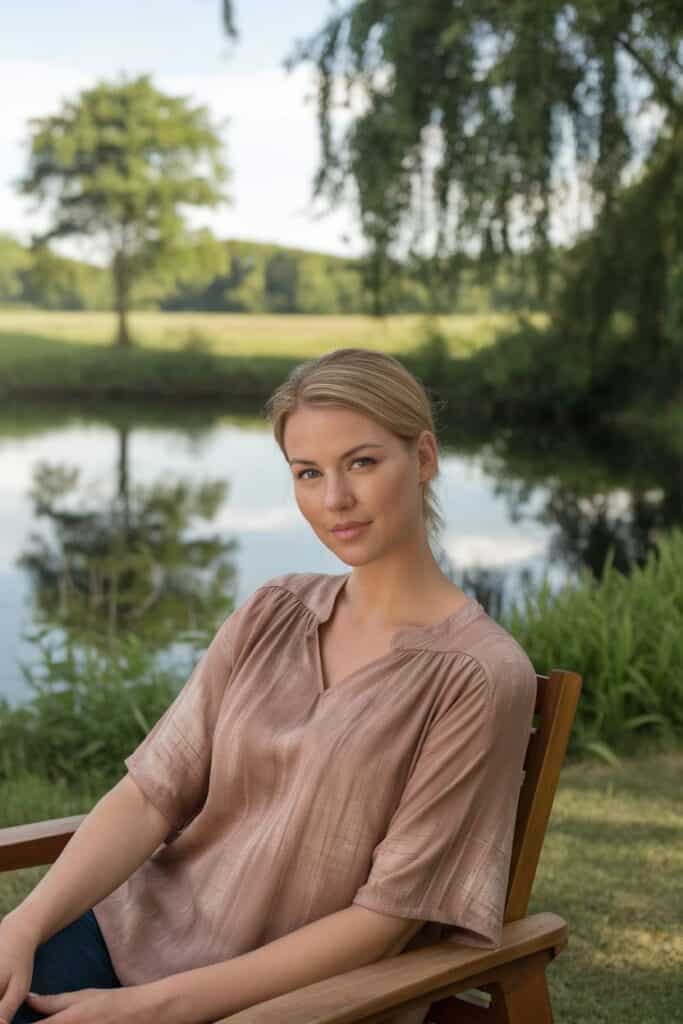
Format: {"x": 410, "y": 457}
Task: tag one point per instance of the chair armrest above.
{"x": 27, "y": 846}
{"x": 391, "y": 983}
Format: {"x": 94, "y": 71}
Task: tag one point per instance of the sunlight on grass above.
{"x": 612, "y": 859}
{"x": 246, "y": 334}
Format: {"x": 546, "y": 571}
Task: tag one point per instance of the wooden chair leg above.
{"x": 522, "y": 996}
{"x": 519, "y": 996}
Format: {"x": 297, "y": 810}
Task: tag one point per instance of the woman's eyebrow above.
{"x": 311, "y": 462}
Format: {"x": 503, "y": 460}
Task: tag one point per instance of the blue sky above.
{"x": 50, "y": 51}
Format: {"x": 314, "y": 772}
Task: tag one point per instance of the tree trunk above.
{"x": 123, "y": 489}
{"x": 121, "y": 274}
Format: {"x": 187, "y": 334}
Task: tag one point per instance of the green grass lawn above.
{"x": 251, "y": 334}
{"x": 612, "y": 866}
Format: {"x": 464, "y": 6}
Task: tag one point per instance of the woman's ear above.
{"x": 427, "y": 456}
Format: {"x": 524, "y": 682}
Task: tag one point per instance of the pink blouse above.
{"x": 395, "y": 790}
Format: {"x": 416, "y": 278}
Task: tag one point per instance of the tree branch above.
{"x": 663, "y": 88}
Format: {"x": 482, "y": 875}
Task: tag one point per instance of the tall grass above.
{"x": 624, "y": 634}
{"x": 90, "y": 708}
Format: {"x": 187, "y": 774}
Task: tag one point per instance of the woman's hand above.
{"x": 17, "y": 950}
{"x": 134, "y": 1004}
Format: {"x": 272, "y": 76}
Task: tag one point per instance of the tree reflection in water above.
{"x": 134, "y": 562}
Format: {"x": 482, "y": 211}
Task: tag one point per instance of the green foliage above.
{"x": 624, "y": 635}
{"x": 90, "y": 708}
{"x": 243, "y": 277}
{"x": 266, "y": 278}
{"x": 466, "y": 113}
{"x": 14, "y": 259}
{"x": 118, "y": 164}
{"x": 625, "y": 327}
{"x": 55, "y": 282}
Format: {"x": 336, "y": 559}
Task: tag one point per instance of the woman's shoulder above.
{"x": 311, "y": 589}
{"x": 506, "y": 665}
{"x": 477, "y": 648}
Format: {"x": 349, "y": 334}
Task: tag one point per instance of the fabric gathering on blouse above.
{"x": 396, "y": 789}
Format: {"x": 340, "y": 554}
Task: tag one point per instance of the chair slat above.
{"x": 556, "y": 699}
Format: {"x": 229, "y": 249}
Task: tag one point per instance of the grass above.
{"x": 611, "y": 866}
{"x": 178, "y": 356}
{"x": 251, "y": 334}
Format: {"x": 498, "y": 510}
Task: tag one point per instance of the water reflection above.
{"x": 127, "y": 532}
{"x": 605, "y": 494}
{"x": 131, "y": 561}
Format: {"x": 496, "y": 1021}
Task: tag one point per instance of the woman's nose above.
{"x": 337, "y": 492}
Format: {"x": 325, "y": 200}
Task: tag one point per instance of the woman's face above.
{"x": 348, "y": 469}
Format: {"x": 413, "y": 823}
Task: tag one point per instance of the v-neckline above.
{"x": 323, "y": 688}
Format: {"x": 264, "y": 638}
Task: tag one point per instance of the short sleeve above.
{"x": 446, "y": 854}
{"x": 172, "y": 764}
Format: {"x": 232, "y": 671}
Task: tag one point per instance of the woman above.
{"x": 337, "y": 780}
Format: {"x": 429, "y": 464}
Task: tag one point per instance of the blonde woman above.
{"x": 337, "y": 780}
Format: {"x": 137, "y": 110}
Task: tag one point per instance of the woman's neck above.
{"x": 397, "y": 592}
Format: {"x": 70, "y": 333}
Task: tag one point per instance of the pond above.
{"x": 206, "y": 500}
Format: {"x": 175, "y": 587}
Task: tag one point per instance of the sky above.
{"x": 49, "y": 52}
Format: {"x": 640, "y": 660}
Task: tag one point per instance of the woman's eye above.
{"x": 361, "y": 458}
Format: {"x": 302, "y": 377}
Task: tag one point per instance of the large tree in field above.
{"x": 117, "y": 165}
{"x": 457, "y": 125}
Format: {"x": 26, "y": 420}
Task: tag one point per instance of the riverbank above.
{"x": 199, "y": 357}
{"x": 202, "y": 356}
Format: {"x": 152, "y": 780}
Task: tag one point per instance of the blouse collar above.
{"x": 407, "y": 636}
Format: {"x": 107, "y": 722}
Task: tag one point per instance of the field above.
{"x": 611, "y": 866}
{"x": 250, "y": 335}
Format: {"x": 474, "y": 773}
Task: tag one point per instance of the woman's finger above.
{"x": 11, "y": 1001}
{"x": 59, "y": 1001}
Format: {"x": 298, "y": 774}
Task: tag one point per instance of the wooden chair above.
{"x": 459, "y": 984}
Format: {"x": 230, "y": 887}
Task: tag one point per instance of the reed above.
{"x": 624, "y": 634}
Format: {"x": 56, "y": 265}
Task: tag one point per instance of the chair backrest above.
{"x": 556, "y": 698}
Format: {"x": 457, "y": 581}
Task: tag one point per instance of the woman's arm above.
{"x": 329, "y": 946}
{"x": 118, "y": 835}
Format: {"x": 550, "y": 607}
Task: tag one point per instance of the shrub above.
{"x": 624, "y": 635}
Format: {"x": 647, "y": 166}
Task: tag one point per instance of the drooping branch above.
{"x": 663, "y": 88}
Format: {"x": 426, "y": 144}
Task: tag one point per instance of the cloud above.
{"x": 490, "y": 551}
{"x": 257, "y": 520}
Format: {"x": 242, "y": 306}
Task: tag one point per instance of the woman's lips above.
{"x": 349, "y": 532}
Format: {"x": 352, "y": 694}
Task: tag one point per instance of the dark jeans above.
{"x": 75, "y": 958}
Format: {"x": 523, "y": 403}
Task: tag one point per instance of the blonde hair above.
{"x": 372, "y": 383}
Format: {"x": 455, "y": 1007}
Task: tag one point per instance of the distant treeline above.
{"x": 257, "y": 278}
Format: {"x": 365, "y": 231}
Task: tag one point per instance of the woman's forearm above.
{"x": 116, "y": 837}
{"x": 331, "y": 945}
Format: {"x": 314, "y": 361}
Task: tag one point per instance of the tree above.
{"x": 281, "y": 280}
{"x": 14, "y": 260}
{"x": 464, "y": 114}
{"x": 117, "y": 165}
